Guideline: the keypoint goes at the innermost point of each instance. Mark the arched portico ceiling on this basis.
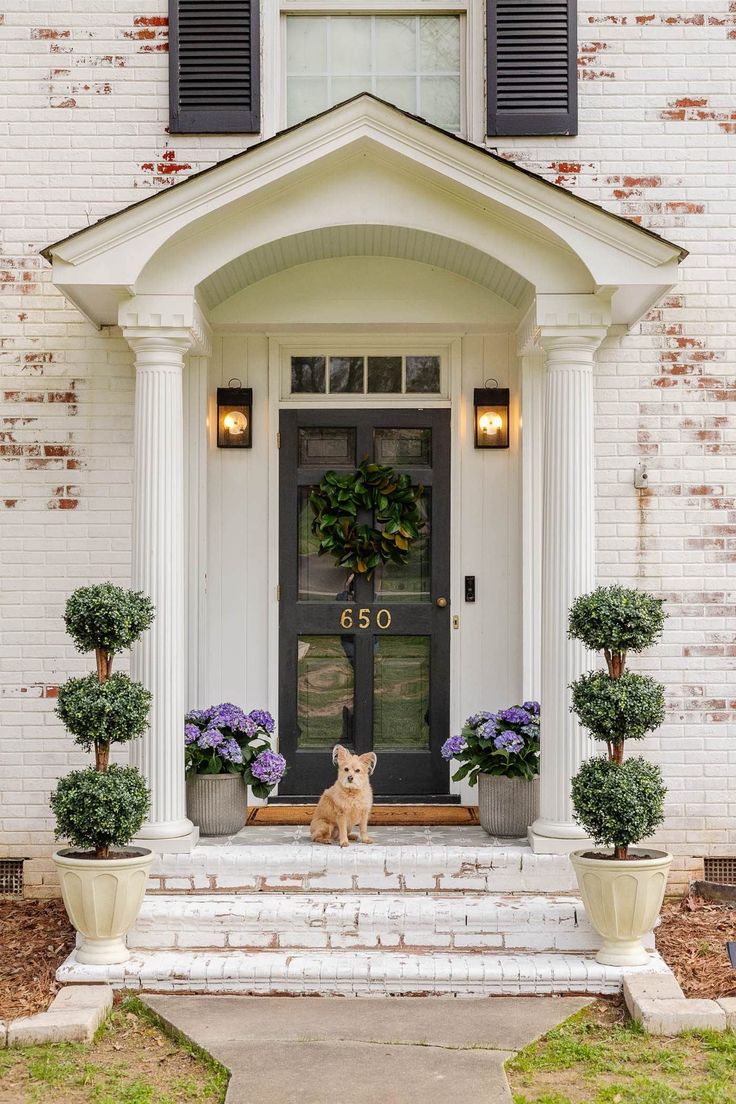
(399, 242)
(354, 170)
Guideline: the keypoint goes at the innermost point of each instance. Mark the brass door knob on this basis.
(441, 602)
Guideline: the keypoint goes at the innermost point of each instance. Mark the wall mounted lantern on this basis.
(234, 416)
(491, 416)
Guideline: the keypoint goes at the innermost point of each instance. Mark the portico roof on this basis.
(363, 177)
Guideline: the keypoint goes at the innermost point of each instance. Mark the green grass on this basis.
(134, 1059)
(597, 1058)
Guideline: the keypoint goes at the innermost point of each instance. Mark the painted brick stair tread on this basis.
(295, 867)
(356, 973)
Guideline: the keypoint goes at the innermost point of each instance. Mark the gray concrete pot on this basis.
(507, 806)
(217, 803)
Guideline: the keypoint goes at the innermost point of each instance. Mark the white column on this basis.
(532, 468)
(568, 570)
(159, 659)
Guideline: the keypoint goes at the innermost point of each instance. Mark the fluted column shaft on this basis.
(159, 659)
(568, 565)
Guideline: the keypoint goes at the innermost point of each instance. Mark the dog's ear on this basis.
(370, 759)
(339, 752)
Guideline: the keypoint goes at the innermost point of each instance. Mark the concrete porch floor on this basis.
(394, 835)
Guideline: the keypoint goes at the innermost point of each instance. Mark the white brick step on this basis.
(355, 973)
(345, 920)
(306, 867)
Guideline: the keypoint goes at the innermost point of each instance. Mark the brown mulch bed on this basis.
(35, 938)
(692, 940)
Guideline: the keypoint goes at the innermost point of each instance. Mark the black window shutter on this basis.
(214, 67)
(532, 67)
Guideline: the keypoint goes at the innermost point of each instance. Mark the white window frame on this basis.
(472, 43)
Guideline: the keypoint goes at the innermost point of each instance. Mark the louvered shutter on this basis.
(214, 66)
(532, 67)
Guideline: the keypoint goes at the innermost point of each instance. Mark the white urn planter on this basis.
(622, 899)
(103, 898)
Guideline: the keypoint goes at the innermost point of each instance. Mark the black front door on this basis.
(364, 662)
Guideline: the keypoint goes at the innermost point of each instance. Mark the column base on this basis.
(556, 845)
(170, 845)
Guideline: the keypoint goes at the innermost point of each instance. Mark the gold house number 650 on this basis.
(383, 618)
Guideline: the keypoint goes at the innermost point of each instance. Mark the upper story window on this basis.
(414, 61)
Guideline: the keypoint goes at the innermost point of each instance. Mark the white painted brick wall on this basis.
(83, 121)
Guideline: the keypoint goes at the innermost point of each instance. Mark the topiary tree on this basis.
(617, 802)
(103, 806)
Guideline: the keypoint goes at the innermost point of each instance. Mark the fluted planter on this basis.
(103, 898)
(622, 899)
(507, 806)
(217, 803)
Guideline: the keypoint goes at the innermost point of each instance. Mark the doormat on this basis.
(422, 815)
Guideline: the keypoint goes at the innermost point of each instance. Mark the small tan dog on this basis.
(348, 802)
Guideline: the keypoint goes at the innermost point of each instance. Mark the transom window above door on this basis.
(413, 61)
(366, 375)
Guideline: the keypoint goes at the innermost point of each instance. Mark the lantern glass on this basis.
(234, 417)
(492, 417)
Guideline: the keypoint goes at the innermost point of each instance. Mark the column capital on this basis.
(174, 319)
(570, 346)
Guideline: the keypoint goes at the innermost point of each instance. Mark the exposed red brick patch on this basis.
(696, 109)
(67, 101)
(66, 497)
(151, 21)
(150, 32)
(588, 61)
(163, 171)
(49, 33)
(10, 503)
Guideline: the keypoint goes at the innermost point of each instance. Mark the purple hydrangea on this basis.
(211, 738)
(531, 707)
(487, 731)
(227, 715)
(515, 714)
(268, 767)
(453, 746)
(479, 718)
(191, 733)
(262, 718)
(230, 750)
(196, 715)
(509, 741)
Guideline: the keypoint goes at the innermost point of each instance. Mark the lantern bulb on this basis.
(235, 422)
(490, 423)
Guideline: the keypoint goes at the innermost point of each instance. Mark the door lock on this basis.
(441, 602)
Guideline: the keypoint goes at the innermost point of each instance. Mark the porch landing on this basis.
(422, 911)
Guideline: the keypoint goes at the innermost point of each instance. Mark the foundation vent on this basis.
(11, 877)
(721, 869)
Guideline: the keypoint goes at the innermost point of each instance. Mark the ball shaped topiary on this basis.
(107, 617)
(99, 810)
(616, 620)
(614, 710)
(618, 803)
(110, 712)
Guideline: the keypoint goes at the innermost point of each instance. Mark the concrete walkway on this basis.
(320, 1050)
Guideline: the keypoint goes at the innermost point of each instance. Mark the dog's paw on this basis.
(344, 843)
(367, 839)
(353, 836)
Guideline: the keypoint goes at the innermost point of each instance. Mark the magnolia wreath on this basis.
(391, 497)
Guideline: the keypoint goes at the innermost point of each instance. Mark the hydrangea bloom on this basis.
(227, 715)
(211, 738)
(509, 741)
(196, 715)
(453, 747)
(268, 767)
(230, 750)
(191, 733)
(487, 731)
(531, 707)
(262, 718)
(479, 718)
(516, 714)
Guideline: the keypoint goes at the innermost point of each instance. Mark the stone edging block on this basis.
(728, 1004)
(73, 1017)
(659, 1004)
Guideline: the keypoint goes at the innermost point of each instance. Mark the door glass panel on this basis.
(401, 692)
(320, 580)
(346, 375)
(325, 690)
(422, 374)
(308, 374)
(326, 447)
(409, 447)
(410, 582)
(384, 375)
